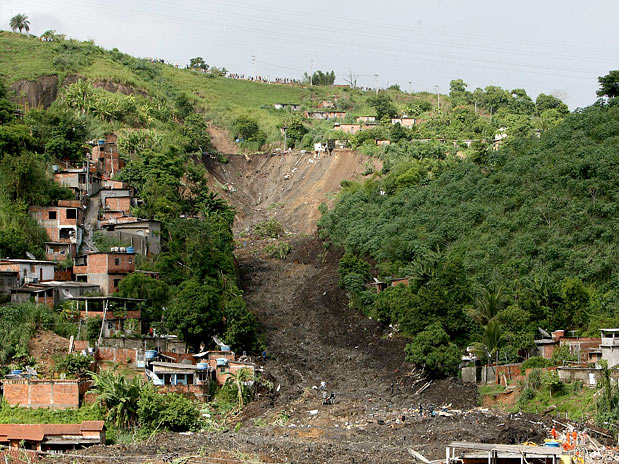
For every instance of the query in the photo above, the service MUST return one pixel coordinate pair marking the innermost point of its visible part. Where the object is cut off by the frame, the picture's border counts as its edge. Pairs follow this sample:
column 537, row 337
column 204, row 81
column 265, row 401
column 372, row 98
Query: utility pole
column 410, row 87
column 438, row 97
column 311, row 72
column 376, row 83
column 253, row 67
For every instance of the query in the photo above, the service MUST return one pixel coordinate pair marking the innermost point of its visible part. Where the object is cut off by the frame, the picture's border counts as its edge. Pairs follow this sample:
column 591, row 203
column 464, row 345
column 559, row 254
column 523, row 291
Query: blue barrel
column 151, row 354
column 202, row 366
column 130, row 249
column 101, row 142
column 225, row 348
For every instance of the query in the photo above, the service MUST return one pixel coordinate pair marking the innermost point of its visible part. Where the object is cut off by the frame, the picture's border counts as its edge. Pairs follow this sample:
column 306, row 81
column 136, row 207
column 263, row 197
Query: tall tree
column 609, row 85
column 19, row 21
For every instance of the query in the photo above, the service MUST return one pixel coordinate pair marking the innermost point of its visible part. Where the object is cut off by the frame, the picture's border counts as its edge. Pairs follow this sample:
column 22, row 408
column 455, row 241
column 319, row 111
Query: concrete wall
column 487, row 374
column 54, row 394
column 151, row 343
column 587, row 375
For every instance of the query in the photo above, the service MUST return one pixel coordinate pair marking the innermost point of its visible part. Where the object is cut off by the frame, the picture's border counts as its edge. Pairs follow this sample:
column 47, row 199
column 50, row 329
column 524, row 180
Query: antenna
column 544, row 333
column 30, row 255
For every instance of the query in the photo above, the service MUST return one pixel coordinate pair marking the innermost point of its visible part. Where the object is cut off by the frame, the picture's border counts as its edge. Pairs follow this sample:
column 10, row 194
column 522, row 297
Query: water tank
column 202, row 366
column 114, row 249
column 222, row 362
column 16, row 372
column 55, row 168
column 225, row 348
column 122, row 249
column 101, row 142
column 130, row 249
column 150, row 354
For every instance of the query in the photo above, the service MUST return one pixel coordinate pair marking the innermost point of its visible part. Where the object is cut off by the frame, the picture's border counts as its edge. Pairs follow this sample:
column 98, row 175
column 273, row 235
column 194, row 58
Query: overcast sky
column 549, row 46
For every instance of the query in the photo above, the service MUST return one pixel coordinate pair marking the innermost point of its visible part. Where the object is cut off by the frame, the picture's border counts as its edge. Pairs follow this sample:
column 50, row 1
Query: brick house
column 104, row 155
column 28, row 270
column 348, row 128
column 105, row 269
column 80, row 180
column 119, row 315
column 117, row 200
column 585, row 348
column 365, row 119
column 143, row 235
column 404, row 122
column 45, row 393
column 63, row 225
column 52, row 437
column 325, row 114
column 383, row 142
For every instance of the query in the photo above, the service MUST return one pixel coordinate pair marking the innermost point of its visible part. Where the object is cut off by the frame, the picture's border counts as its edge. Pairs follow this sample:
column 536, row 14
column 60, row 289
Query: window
column 51, row 214
column 222, row 370
column 71, row 214
column 82, row 178
column 116, row 282
column 130, row 261
column 117, row 261
column 110, row 325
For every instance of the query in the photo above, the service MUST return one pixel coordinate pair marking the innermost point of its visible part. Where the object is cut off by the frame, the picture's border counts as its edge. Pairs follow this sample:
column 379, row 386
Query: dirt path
column 221, row 141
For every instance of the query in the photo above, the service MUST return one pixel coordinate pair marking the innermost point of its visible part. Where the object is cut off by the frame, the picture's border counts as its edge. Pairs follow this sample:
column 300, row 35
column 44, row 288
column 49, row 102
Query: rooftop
column 103, row 298
column 26, row 261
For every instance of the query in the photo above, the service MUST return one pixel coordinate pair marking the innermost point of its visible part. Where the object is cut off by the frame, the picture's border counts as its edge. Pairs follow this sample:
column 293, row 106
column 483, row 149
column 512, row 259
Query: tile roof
column 38, row 432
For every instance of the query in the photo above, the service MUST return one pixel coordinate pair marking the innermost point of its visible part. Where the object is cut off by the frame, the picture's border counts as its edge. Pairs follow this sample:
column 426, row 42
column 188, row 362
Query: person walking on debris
column 420, row 410
column 324, row 398
column 332, row 398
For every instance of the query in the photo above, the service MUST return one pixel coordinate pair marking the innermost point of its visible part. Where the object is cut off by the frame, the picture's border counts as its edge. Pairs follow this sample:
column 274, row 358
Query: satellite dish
column 31, row 371
column 544, row 333
column 66, row 293
column 218, row 341
column 30, row 255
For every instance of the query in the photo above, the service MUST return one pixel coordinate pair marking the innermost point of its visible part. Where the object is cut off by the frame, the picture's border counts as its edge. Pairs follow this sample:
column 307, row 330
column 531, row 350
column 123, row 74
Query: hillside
column 493, row 247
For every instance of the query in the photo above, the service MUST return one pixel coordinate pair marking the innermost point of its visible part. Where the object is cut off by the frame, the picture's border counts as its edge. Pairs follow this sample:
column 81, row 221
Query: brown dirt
column 288, row 186
column 44, row 346
column 312, row 336
column 221, row 141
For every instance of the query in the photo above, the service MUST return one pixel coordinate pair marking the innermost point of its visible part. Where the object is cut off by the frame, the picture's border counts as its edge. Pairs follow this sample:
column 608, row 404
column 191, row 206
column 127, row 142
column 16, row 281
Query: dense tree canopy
column 537, row 218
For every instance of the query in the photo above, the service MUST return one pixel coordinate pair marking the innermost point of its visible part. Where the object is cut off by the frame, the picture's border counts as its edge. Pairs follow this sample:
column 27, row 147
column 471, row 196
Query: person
column 420, row 410
column 332, row 398
column 264, row 355
column 324, row 397
column 323, row 385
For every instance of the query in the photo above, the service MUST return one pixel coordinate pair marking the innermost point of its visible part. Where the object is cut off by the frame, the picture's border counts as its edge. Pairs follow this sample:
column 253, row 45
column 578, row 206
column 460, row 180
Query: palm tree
column 19, row 21
column 240, row 379
column 487, row 305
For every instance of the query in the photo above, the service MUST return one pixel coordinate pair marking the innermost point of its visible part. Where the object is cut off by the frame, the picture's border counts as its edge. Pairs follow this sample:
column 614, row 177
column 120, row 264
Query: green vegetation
column 494, row 245
column 136, row 404
column 73, row 364
column 16, row 415
column 19, row 322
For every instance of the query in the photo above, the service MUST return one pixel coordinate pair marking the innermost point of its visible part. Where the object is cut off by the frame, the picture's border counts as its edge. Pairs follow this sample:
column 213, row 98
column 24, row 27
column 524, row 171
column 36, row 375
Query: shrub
column 534, row 362
column 172, row 411
column 73, row 363
column 277, row 250
column 271, row 228
column 562, row 354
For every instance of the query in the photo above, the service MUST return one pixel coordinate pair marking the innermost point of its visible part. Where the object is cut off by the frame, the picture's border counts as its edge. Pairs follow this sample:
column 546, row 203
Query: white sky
column 539, row 45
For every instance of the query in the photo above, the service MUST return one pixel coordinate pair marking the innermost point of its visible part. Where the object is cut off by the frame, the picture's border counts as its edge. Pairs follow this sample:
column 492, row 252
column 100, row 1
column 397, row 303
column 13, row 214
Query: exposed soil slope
column 289, row 186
